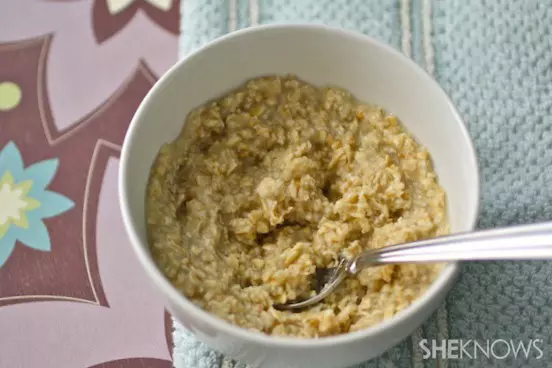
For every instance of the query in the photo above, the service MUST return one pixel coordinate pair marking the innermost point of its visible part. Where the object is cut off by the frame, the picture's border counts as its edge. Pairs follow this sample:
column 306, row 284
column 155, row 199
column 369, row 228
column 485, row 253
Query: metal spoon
column 525, row 242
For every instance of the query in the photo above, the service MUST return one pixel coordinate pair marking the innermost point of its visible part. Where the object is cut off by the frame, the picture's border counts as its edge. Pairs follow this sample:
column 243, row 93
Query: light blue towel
column 494, row 58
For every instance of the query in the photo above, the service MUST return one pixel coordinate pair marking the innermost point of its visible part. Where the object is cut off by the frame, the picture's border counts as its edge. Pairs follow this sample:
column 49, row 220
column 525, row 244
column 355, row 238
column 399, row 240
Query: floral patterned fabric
column 72, row 73
column 25, row 202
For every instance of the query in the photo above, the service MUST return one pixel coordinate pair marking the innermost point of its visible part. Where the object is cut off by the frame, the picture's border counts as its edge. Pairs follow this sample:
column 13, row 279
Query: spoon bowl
column 525, row 242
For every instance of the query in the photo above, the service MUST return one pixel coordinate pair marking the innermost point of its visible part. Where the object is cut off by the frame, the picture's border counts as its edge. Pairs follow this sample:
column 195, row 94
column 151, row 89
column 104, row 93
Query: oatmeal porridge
column 277, row 178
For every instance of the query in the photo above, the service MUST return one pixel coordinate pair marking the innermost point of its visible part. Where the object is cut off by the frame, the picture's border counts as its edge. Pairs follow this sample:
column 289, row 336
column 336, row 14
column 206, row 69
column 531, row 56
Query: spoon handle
column 511, row 243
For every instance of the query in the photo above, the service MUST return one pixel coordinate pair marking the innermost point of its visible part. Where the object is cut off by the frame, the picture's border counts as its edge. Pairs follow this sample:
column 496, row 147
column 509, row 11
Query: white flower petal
column 117, row 6
column 12, row 204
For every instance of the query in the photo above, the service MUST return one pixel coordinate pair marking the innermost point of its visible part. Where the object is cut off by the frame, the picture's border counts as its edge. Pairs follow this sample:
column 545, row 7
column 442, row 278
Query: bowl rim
column 446, row 276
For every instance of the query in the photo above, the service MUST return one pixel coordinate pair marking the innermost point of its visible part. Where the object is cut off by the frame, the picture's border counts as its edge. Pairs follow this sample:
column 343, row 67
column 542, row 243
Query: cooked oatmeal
column 277, row 178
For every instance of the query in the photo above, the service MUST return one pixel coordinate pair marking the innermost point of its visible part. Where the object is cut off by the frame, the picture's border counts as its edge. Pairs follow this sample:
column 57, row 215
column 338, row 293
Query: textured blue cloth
column 494, row 58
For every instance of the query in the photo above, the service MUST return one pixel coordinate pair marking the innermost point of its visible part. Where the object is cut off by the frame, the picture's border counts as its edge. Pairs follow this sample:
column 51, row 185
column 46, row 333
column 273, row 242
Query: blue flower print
column 25, row 202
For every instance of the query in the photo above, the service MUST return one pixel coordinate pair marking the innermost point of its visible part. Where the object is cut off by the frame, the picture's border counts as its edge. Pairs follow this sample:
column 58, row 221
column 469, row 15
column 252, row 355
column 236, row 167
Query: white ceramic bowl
column 321, row 55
